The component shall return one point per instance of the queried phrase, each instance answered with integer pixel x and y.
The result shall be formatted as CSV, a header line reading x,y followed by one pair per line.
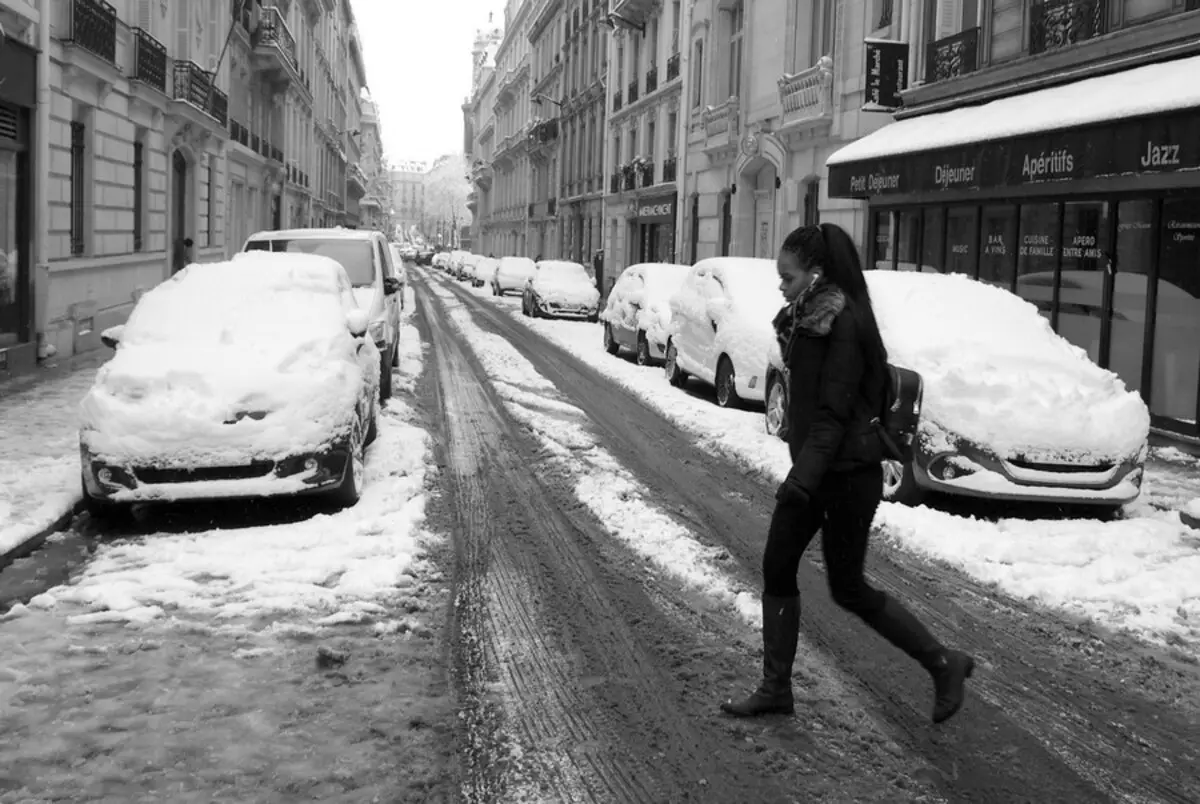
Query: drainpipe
x,y
41,172
681,136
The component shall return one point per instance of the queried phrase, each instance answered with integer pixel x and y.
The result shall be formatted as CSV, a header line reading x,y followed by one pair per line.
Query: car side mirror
x,y
356,322
391,285
111,337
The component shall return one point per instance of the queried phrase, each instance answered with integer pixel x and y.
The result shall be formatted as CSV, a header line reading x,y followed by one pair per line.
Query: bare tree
x,y
446,189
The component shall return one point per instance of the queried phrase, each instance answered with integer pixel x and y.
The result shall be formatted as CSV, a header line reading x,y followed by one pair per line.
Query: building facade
x,y
1086,202
479,124
408,197
174,129
375,207
511,193
643,143
547,66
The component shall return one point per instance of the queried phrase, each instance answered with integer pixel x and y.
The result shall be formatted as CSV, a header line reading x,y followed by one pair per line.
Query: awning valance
x,y
1143,120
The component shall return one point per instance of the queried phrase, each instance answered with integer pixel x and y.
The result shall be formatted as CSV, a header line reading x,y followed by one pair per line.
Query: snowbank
x,y
1136,574
269,341
567,283
641,299
997,374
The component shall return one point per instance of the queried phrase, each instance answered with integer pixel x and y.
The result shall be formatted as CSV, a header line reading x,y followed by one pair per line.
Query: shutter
x,y
949,18
183,34
145,16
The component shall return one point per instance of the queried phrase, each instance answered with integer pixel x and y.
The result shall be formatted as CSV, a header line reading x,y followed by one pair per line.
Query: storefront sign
x,y
1160,144
887,74
18,73
660,209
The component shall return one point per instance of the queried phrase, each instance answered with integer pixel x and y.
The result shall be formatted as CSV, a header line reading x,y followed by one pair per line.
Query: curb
x,y
36,539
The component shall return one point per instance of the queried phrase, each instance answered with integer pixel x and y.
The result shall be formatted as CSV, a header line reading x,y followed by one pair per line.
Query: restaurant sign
x,y
657,209
887,74
1159,144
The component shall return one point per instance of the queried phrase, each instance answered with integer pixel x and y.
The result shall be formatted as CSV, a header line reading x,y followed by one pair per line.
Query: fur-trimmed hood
x,y
812,313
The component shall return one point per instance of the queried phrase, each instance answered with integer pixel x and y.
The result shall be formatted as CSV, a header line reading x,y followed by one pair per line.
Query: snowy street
x,y
550,582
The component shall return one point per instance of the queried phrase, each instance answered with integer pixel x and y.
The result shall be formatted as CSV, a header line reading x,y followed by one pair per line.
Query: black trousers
x,y
842,510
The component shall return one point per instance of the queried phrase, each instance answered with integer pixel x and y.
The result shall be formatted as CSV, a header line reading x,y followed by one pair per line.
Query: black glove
x,y
790,492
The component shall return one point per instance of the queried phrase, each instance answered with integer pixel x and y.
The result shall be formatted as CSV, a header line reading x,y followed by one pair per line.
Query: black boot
x,y
781,630
950,669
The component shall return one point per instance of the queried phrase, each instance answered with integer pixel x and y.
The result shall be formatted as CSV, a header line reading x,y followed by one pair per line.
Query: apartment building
x,y
547,65
513,122
170,122
645,82
375,207
408,196
1052,148
479,128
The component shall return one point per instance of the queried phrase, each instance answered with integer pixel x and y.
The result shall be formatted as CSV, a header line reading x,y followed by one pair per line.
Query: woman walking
x,y
837,386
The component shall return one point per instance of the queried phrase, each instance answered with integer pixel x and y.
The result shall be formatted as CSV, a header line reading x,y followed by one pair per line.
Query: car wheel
x,y
777,404
900,483
348,492
594,317
643,350
727,396
675,375
610,343
372,426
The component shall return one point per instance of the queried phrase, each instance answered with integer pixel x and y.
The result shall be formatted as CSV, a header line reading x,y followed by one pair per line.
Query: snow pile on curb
x,y
1136,574
610,493
327,570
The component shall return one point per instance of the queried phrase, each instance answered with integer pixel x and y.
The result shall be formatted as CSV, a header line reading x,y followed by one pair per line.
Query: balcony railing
x,y
807,94
276,154
617,101
669,169
632,92
1060,23
195,86
614,183
673,67
721,119
651,80
272,30
630,179
149,61
94,27
255,143
953,56
239,133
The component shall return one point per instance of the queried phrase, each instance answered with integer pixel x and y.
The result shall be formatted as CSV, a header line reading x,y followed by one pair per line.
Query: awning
x,y
1143,120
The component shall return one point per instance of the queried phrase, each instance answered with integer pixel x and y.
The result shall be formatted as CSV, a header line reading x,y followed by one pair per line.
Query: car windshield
x,y
356,256
563,271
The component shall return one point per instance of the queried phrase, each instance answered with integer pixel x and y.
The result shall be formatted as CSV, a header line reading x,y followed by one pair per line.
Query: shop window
x,y
1177,312
812,202
998,245
1037,256
78,188
962,241
881,239
908,235
1085,256
1131,280
933,240
10,247
726,222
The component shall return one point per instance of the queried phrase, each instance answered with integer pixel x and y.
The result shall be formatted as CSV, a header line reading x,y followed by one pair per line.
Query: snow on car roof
x,y
750,279
298,234
561,266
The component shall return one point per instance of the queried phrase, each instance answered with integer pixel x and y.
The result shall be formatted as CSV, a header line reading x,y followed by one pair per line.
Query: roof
x,y
1138,92
335,233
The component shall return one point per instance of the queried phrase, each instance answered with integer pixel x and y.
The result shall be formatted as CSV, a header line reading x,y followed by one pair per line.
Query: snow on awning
x,y
1143,120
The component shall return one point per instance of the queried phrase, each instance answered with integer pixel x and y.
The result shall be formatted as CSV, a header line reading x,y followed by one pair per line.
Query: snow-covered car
x,y
721,329
638,313
441,260
254,377
467,273
484,272
1010,409
368,262
561,289
512,274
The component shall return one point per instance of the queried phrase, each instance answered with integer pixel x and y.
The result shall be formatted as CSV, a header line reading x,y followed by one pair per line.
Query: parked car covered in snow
x,y
721,327
248,378
368,262
638,313
467,263
441,260
1010,409
485,271
561,289
512,274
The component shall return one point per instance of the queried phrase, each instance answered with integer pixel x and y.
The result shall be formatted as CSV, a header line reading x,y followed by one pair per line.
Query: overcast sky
x,y
418,59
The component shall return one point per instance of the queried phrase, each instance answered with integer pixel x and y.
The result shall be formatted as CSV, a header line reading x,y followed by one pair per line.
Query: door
x,y
179,209
764,219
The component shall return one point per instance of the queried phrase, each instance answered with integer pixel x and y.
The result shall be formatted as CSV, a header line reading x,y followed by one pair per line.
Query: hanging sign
x,y
887,74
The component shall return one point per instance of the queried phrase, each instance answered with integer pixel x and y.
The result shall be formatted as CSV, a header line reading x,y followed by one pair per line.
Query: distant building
x,y
408,195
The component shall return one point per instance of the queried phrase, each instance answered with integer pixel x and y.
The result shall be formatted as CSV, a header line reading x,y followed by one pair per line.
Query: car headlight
x,y
377,330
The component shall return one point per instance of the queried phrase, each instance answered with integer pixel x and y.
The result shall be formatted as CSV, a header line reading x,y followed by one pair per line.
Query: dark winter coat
x,y
832,393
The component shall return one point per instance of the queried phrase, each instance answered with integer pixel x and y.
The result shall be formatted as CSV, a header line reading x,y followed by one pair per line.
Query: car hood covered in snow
x,y
641,299
565,283
218,366
997,375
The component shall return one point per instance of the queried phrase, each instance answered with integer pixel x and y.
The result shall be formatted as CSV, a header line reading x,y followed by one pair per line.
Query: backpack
x,y
904,391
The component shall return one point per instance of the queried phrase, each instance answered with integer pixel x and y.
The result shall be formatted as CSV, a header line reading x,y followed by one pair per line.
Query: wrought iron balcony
x,y
953,56
617,101
149,61
276,154
669,166
673,67
651,80
630,178
614,183
632,92
255,143
194,86
239,133
646,173
93,27
1060,23
273,36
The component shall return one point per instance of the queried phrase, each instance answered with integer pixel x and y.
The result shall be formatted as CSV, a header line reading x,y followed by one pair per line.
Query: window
x,y
1131,282
997,265
672,128
695,239
821,33
697,74
78,188
945,18
812,202
1085,263
736,30
726,223
650,139
933,240
139,193
883,13
211,229
676,14
962,244
882,252
908,233
1177,325
1037,258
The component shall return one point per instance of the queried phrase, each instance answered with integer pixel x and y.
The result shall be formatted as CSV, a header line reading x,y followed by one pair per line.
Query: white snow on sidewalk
x,y
330,569
39,456
612,495
1137,574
